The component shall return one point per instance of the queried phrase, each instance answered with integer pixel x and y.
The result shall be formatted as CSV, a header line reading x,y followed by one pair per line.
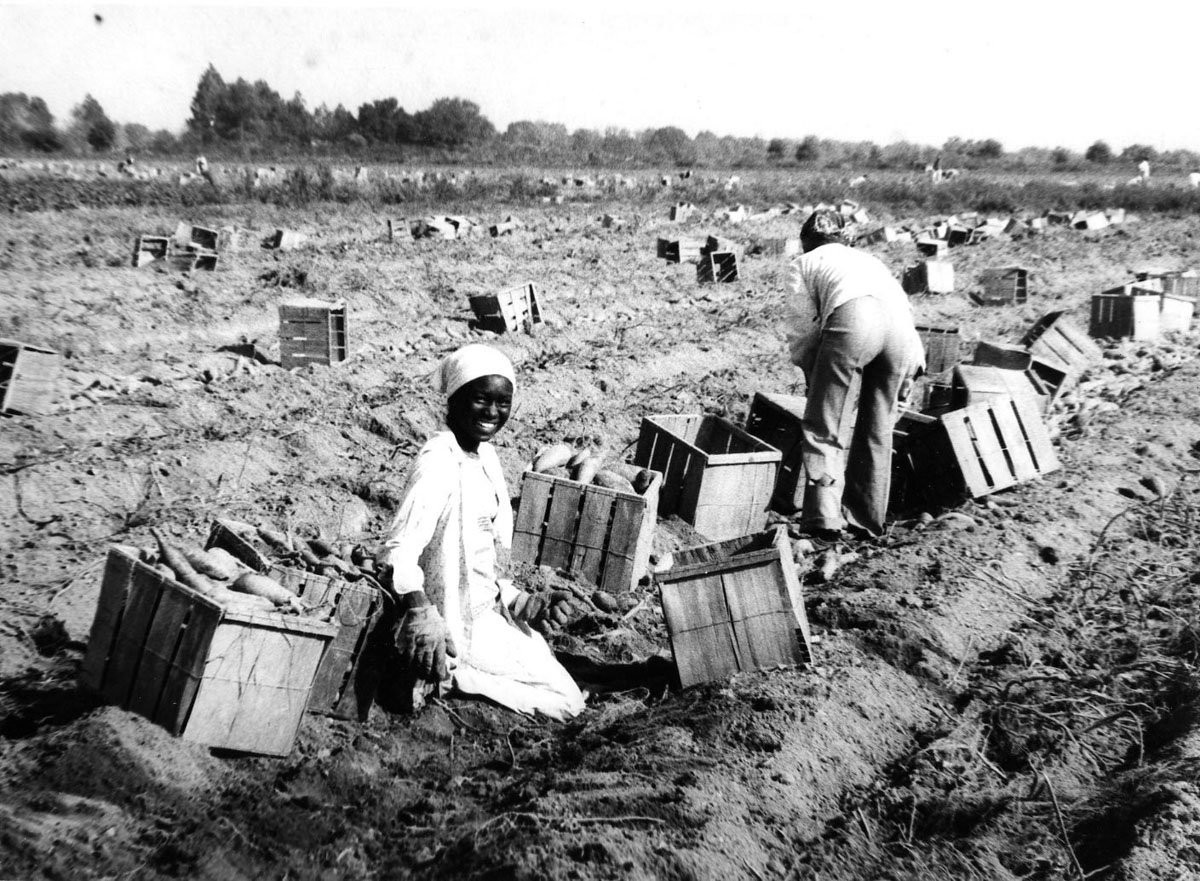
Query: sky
x,y
1047,73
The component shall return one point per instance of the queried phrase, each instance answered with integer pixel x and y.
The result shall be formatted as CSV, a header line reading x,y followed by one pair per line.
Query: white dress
x,y
442,540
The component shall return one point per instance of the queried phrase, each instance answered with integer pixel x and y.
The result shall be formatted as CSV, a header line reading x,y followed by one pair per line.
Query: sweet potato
x,y
226,560
276,539
638,476
579,456
233,600
209,566
321,547
587,469
261,585
612,480
551,457
184,573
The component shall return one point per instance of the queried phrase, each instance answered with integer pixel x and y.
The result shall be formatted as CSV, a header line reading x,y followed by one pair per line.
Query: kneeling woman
x,y
460,624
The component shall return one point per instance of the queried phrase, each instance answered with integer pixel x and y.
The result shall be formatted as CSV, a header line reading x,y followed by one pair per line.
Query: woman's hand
x,y
527,607
424,642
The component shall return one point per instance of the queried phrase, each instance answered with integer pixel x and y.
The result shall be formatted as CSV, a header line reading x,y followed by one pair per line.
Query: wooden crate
x,y
600,535
975,384
1177,312
682,250
1004,285
929,277
1054,337
733,607
1049,377
931,247
147,249
340,687
943,348
780,247
777,420
28,378
1182,284
312,332
229,679
716,476
717,266
681,211
983,448
508,311
1118,314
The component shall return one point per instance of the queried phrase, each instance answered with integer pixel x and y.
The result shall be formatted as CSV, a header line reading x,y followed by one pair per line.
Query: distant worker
x,y
1144,170
851,332
936,172
202,170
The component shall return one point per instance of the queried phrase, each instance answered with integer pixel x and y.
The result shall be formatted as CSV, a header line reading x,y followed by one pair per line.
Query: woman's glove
x,y
424,642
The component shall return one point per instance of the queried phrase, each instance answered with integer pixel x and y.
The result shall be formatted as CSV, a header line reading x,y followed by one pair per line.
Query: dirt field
x,y
1006,695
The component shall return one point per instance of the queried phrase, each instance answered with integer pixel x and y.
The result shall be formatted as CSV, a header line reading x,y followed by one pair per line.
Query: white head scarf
x,y
469,363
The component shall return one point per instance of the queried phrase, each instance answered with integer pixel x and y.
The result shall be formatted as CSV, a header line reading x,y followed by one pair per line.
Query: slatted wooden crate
x,y
681,211
682,250
780,247
1177,312
906,491
1054,337
1008,285
929,277
600,535
198,238
776,420
716,476
943,348
932,247
717,266
312,332
1049,377
1182,284
733,607
147,249
28,378
975,384
509,311
983,448
340,687
1119,314
229,679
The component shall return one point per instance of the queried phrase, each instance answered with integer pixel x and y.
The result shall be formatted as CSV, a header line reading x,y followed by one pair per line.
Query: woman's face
x,y
479,409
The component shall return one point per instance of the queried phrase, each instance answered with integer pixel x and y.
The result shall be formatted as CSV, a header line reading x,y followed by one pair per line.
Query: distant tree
x,y
26,121
809,149
670,144
776,147
586,142
1099,153
333,126
136,136
93,125
206,102
386,122
1060,156
989,149
1138,152
164,142
452,122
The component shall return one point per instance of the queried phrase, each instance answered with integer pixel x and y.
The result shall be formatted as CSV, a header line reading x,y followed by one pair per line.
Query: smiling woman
x,y
462,626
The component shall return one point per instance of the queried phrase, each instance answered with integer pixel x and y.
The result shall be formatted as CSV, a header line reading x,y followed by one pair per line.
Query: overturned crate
x,y
600,535
982,448
1054,337
734,606
716,476
341,687
974,384
682,250
929,277
312,332
1008,285
147,249
717,266
777,420
943,348
779,247
1177,312
225,678
28,378
1128,311
1048,376
509,311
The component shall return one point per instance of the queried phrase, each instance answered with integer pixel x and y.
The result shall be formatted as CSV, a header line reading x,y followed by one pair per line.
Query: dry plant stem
x,y
1062,825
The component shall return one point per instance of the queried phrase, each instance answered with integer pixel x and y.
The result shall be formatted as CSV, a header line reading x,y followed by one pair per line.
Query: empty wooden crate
x,y
1004,285
929,277
1135,314
717,266
734,606
230,679
983,448
312,332
28,378
600,535
1054,337
340,687
716,476
508,311
682,250
943,348
1177,312
776,419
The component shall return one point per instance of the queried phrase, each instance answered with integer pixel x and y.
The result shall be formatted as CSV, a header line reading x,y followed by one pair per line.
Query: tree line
x,y
241,119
